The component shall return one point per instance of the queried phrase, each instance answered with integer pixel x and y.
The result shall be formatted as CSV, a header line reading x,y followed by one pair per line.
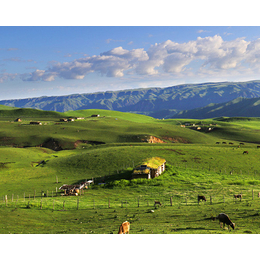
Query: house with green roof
x,y
149,168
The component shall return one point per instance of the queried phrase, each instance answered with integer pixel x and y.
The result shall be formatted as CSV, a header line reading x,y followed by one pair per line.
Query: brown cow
x,y
124,228
238,196
245,152
201,198
156,202
222,217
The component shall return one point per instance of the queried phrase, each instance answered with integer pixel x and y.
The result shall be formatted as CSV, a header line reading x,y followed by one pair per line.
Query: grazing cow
x,y
224,142
223,218
258,146
245,152
238,196
231,143
124,228
156,202
241,143
201,198
217,142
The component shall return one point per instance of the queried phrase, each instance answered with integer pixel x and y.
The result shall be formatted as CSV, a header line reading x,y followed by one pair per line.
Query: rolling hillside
x,y
111,127
157,102
106,149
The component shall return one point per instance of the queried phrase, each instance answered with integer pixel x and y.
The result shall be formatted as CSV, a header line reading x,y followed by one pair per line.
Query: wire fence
x,y
54,201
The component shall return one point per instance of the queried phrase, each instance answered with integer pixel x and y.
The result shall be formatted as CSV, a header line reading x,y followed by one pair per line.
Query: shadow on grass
x,y
189,228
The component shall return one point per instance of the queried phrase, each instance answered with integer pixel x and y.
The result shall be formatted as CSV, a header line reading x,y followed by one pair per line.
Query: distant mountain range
x,y
167,102
239,107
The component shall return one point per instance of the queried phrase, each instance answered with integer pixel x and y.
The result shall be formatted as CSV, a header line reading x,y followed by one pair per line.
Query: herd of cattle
x,y
245,152
222,217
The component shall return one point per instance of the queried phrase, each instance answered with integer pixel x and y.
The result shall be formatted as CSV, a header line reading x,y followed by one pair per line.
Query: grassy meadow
x,y
106,149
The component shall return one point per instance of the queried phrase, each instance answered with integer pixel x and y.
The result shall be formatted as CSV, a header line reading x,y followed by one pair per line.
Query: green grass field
x,y
107,149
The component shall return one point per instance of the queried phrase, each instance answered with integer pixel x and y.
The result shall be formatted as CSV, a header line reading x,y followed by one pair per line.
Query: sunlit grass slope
x,y
107,149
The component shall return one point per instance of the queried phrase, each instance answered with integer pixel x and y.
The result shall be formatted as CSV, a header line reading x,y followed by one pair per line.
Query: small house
x,y
75,189
35,123
149,168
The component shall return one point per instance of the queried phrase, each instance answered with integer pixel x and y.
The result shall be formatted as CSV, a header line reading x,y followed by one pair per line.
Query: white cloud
x,y
7,76
202,31
12,49
41,74
210,54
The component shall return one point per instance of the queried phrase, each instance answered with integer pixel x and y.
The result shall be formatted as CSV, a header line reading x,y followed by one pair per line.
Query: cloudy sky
x,y
61,60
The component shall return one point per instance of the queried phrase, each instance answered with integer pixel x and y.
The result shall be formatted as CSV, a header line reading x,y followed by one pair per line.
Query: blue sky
x,y
52,60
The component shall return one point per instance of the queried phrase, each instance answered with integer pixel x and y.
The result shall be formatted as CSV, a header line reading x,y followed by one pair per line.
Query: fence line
x,y
85,202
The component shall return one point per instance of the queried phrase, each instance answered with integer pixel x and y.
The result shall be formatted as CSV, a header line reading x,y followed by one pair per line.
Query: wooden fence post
x,y
6,200
171,201
138,202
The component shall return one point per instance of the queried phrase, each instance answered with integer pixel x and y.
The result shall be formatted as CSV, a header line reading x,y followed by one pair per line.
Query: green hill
x,y
10,112
109,127
2,107
205,157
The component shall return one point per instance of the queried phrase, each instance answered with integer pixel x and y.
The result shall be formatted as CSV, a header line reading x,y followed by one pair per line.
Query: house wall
x,y
142,176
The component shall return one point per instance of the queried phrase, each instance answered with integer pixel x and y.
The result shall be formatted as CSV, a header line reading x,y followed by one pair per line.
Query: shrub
x,y
253,182
119,183
138,181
